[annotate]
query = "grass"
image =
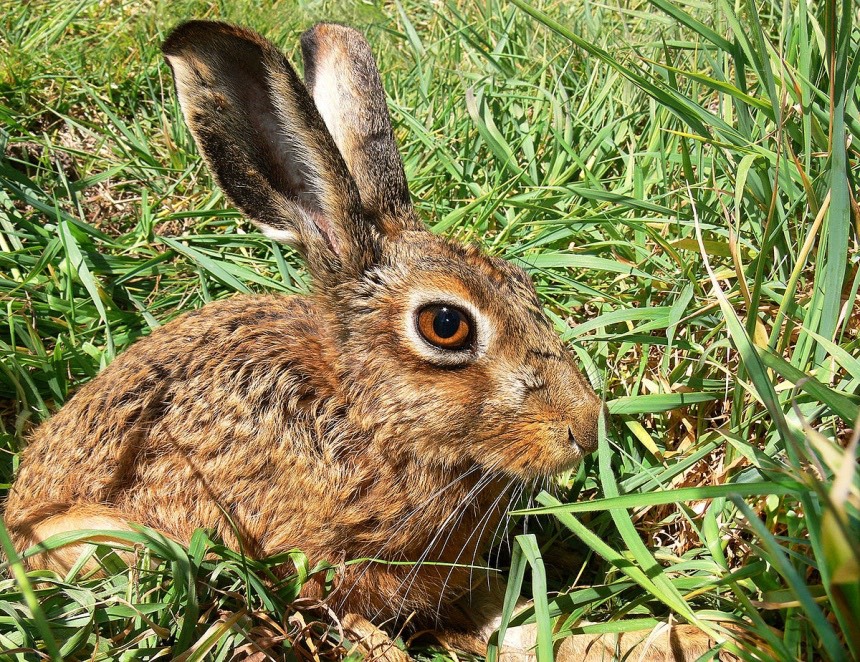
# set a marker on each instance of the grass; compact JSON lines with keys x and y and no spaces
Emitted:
{"x":680,"y":179}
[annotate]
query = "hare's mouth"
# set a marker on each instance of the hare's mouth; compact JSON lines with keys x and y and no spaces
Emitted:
{"x":533,"y":451}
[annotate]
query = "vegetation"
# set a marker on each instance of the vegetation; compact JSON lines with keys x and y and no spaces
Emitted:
{"x":680,"y":179}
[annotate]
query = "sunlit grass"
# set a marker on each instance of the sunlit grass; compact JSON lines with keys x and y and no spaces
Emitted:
{"x":679,"y":179}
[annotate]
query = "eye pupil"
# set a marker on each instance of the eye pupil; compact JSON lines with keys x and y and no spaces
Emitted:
{"x":446,"y":322}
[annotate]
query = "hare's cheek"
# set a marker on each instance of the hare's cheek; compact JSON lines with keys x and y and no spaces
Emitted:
{"x":528,"y":448}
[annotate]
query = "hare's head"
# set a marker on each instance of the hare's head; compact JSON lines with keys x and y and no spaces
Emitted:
{"x":444,"y":352}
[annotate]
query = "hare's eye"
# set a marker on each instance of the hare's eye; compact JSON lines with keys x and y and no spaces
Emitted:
{"x":445,"y":327}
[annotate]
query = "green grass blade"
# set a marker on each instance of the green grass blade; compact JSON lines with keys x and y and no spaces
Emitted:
{"x":30,"y":597}
{"x":531,"y":550}
{"x":679,"y":495}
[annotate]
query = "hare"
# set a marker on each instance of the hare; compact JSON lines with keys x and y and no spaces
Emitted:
{"x":391,"y":413}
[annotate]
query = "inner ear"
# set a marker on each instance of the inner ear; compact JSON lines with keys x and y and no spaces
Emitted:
{"x":279,"y":159}
{"x":327,"y":229}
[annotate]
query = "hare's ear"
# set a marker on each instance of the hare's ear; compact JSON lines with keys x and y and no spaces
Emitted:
{"x":268,"y":147}
{"x":343,"y":78}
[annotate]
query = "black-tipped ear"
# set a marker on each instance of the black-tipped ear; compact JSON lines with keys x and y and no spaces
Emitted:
{"x":268,"y":147}
{"x":342,"y":76}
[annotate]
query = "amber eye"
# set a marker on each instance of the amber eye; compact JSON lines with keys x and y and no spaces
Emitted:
{"x":445,"y":327}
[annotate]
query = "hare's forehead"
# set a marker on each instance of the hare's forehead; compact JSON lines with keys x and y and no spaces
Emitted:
{"x":429,"y":261}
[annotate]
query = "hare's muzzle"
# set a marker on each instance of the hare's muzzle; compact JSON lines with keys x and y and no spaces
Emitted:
{"x":582,"y":426}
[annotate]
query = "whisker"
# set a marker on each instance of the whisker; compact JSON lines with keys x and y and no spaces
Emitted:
{"x":455,"y":514}
{"x":507,"y":491}
{"x":403,"y":522}
{"x":504,"y":524}
{"x":478,"y":529}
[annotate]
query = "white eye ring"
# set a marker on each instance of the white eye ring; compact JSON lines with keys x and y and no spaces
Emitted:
{"x":446,"y":357}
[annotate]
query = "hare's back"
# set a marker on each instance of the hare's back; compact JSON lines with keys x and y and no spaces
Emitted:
{"x":215,"y":387}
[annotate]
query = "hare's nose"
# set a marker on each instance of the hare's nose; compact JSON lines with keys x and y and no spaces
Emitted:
{"x":586,"y":439}
{"x":582,"y":430}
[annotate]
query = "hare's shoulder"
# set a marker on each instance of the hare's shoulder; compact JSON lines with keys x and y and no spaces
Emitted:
{"x":226,"y":350}
{"x":247,"y":330}
{"x":233,"y":321}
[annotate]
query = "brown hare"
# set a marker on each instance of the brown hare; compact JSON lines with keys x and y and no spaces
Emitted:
{"x":391,"y":413}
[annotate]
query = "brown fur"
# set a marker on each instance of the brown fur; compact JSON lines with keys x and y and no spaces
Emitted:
{"x":319,"y":422}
